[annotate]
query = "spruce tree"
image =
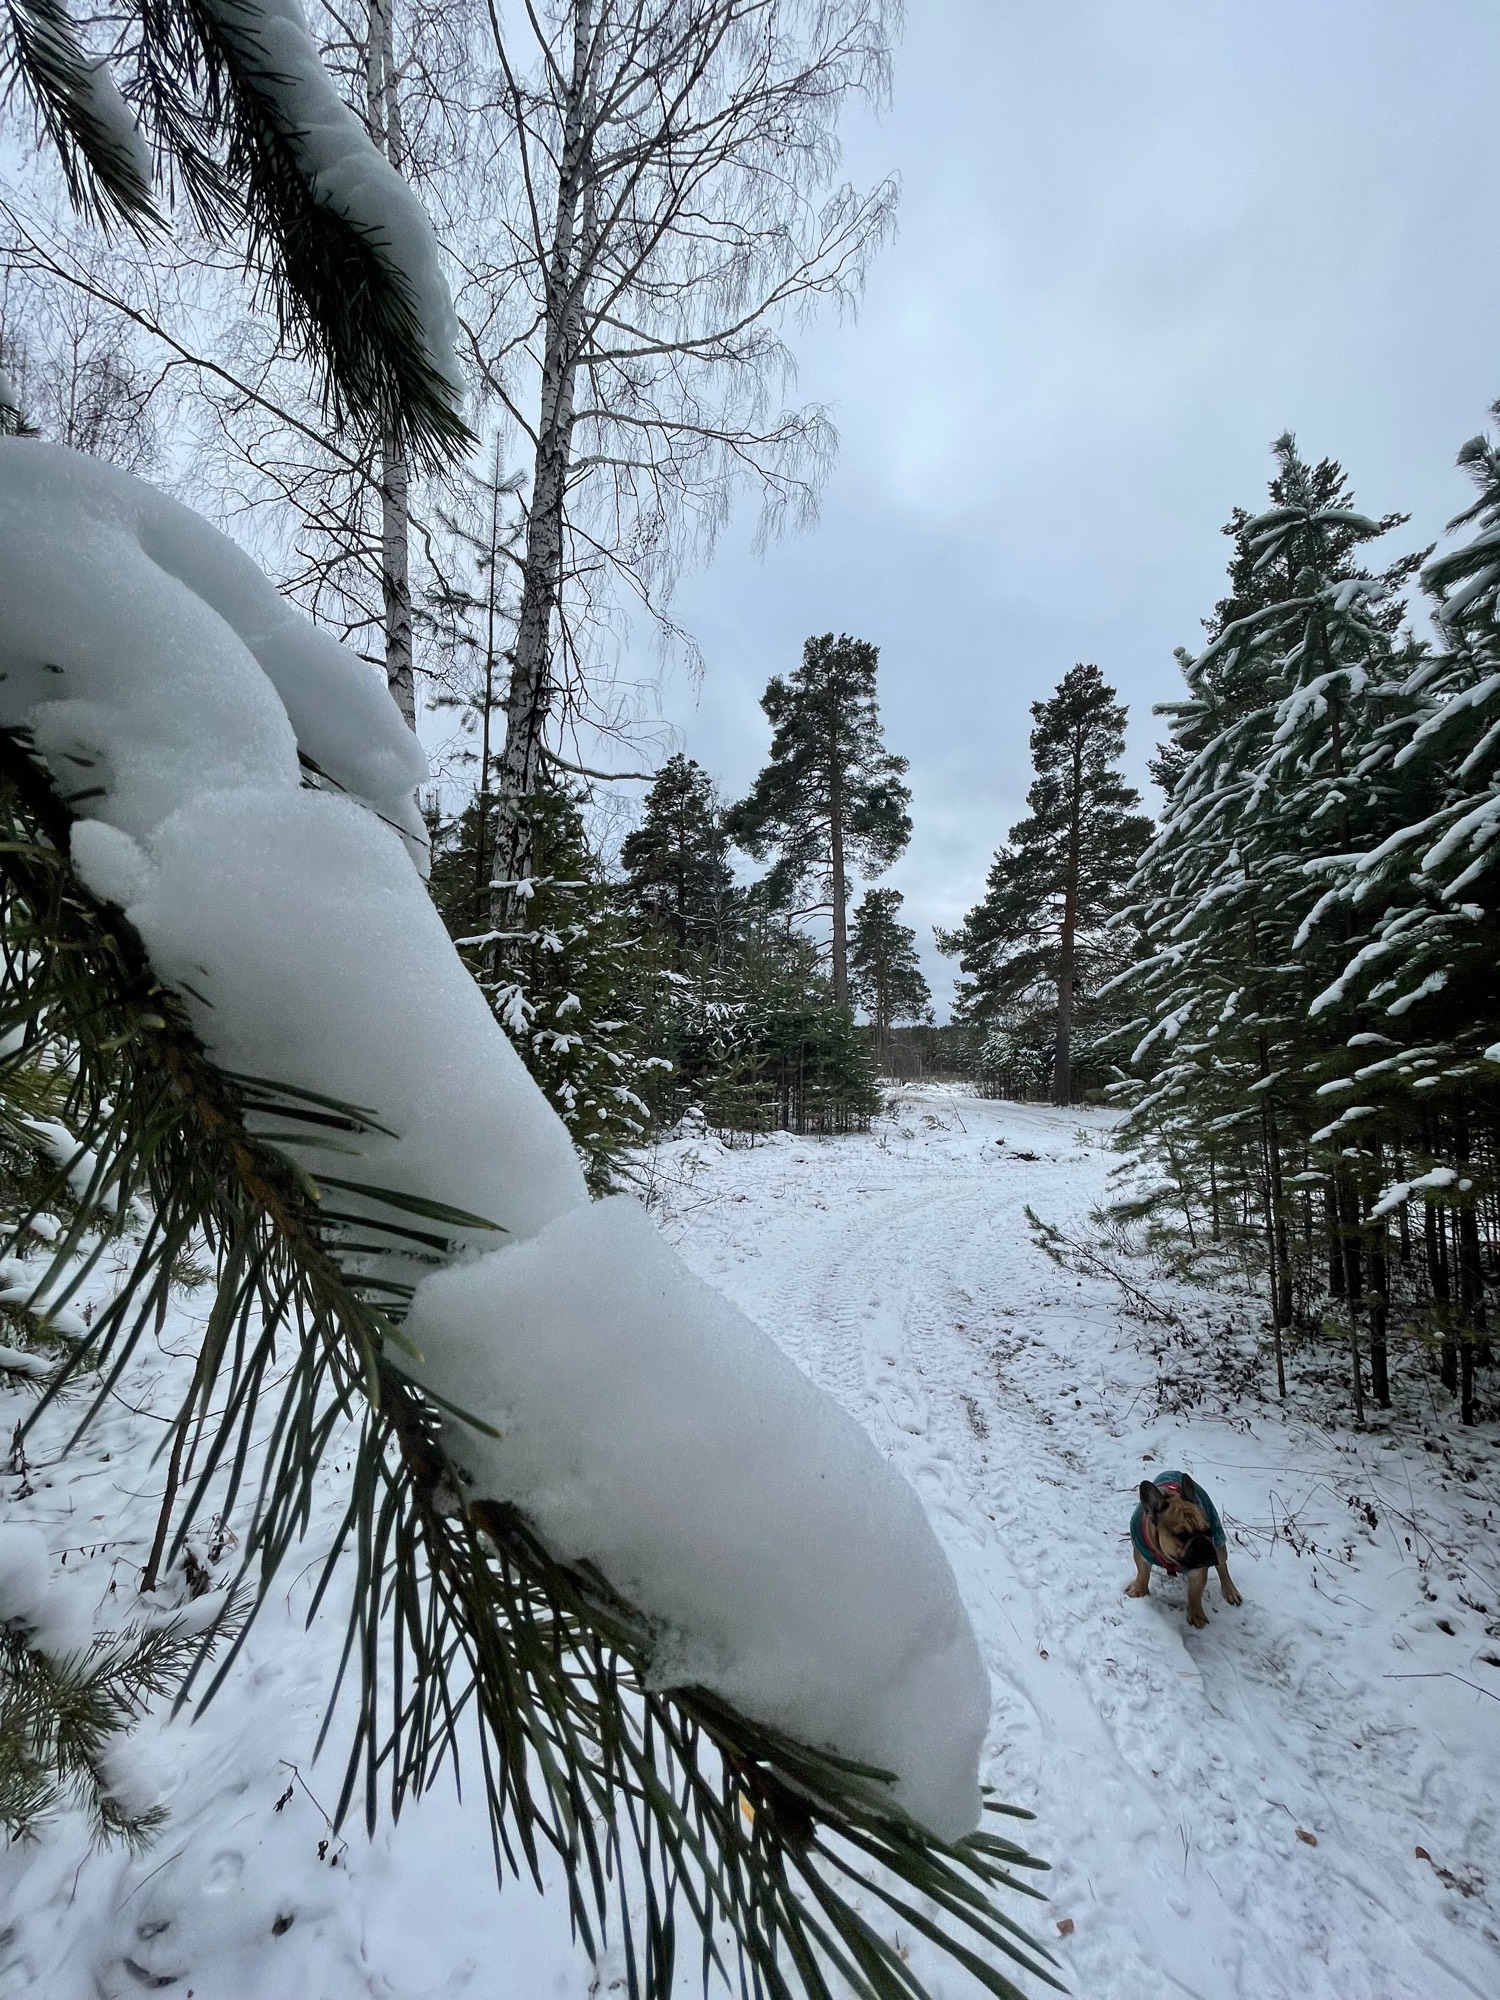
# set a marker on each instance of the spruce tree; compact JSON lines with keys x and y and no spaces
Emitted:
{"x":1041,"y":928}
{"x":886,"y":975}
{"x":676,"y":861}
{"x":1283,"y":770}
{"x":570,"y":984}
{"x":832,"y":795}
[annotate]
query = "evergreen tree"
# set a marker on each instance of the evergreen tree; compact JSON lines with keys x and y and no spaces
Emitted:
{"x":1040,"y":934}
{"x":569,"y":984}
{"x":676,"y":861}
{"x":886,"y":973}
{"x":215,"y":106}
{"x":1285,"y":768}
{"x":831,"y":796}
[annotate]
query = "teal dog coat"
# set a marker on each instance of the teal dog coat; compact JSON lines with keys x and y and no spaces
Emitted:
{"x":1171,"y":1482}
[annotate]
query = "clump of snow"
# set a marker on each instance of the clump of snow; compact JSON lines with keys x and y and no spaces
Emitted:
{"x":304,"y":923}
{"x":648,"y":1426}
{"x":112,"y":117}
{"x":343,"y":167}
{"x":113,"y":589}
{"x":52,"y":1613}
{"x":645,"y":1423}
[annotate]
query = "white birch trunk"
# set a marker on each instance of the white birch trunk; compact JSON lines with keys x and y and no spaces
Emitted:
{"x":529,"y":697}
{"x":383,"y":109}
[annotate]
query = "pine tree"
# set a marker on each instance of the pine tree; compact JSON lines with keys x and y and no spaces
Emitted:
{"x":831,"y":796}
{"x":570,"y":985}
{"x":676,"y":861}
{"x":886,"y":974}
{"x":1041,"y":929}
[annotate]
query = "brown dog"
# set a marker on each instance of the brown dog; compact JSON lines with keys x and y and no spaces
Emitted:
{"x":1176,"y":1527}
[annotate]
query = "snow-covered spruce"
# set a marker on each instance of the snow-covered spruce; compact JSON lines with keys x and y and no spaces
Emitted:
{"x":643,"y":1421}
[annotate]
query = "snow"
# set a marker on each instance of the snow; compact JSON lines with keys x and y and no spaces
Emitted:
{"x":114,"y":119}
{"x":1351,"y":1695}
{"x":52,"y":1612}
{"x":344,"y":169}
{"x":691,"y":1452}
{"x":162,"y":682}
{"x":113,"y":590}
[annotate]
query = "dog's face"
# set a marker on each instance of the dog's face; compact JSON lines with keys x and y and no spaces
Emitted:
{"x":1179,"y":1526}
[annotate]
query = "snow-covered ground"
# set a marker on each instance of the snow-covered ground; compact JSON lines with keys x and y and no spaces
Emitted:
{"x":1299,"y":1801}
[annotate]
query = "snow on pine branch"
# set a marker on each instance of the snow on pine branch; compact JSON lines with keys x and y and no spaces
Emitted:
{"x":343,"y":168}
{"x":645,"y":1424}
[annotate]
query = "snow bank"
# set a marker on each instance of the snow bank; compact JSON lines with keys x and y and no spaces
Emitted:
{"x":645,"y":1423}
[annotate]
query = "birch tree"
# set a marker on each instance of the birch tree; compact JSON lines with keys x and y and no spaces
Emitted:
{"x":670,"y":167}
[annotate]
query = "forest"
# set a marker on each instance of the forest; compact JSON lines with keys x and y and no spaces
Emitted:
{"x":392,"y":1006}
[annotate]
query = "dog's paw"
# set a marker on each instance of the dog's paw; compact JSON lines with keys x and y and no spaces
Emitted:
{"x":1231,"y":1595}
{"x":1198,"y":1617}
{"x":1134,"y":1589}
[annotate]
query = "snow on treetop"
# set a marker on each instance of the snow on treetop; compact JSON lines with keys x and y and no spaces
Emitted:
{"x":644,"y":1423}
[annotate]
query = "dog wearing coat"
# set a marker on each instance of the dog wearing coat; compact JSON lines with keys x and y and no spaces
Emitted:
{"x":1176,"y":1527}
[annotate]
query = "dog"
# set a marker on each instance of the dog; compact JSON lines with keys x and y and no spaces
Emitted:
{"x":1176,"y":1527}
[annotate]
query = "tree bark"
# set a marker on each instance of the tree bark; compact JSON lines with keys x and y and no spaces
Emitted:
{"x":1435,"y":1239}
{"x":484,"y":803}
{"x":836,"y":870}
{"x":1281,"y":1297}
{"x":529,"y":699}
{"x":383,"y":114}
{"x":1062,"y":1076}
{"x":1471,"y":1292}
{"x":1380,"y":1301}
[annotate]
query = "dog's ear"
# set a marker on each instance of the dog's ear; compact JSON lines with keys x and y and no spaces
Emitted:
{"x":1188,"y":1490}
{"x":1152,"y":1499}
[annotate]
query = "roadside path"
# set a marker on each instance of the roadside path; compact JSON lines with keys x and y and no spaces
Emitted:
{"x":1171,"y":1769}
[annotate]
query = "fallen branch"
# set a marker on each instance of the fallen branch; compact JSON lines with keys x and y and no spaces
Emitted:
{"x":1051,"y":1241}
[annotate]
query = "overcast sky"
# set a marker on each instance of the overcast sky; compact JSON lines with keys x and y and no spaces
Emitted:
{"x":1138,"y":239}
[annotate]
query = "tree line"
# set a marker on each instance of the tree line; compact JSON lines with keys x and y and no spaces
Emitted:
{"x":1289,"y":980}
{"x":667,"y":985}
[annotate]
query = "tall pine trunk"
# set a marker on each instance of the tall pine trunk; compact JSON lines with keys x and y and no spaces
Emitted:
{"x":1470,"y":1289}
{"x":484,"y":805}
{"x":1380,"y":1307}
{"x":383,"y":114}
{"x":1435,"y":1241}
{"x":837,"y":871}
{"x":1062,"y":1075}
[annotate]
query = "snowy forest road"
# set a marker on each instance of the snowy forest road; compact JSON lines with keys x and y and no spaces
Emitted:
{"x":1177,"y":1775}
{"x":1297,"y":1803}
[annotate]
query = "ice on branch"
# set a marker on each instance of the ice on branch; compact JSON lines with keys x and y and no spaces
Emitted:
{"x":644,"y":1423}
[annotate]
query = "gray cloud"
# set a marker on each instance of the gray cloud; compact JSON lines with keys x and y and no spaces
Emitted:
{"x":1137,"y":242}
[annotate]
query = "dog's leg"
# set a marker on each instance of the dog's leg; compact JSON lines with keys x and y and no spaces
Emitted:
{"x":1196,"y":1580}
{"x":1141,"y":1587}
{"x":1226,"y":1581}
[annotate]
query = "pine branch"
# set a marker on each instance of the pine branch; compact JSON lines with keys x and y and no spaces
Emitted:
{"x":669,"y":1796}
